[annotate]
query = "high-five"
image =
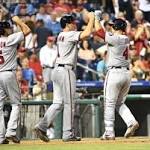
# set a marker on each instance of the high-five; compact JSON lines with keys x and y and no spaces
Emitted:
{"x":118,"y":78}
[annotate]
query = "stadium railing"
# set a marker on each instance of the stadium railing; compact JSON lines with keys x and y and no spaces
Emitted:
{"x":31,"y":114}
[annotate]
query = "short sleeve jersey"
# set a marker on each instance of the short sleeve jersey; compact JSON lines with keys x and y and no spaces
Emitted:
{"x":117,"y":50}
{"x":67,"y":47}
{"x":8,"y":51}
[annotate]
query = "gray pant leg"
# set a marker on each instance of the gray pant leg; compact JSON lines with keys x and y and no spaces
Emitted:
{"x":122,"y":108}
{"x":111,"y":92}
{"x":49,"y":116}
{"x":2,"y":123}
{"x":55,"y":108}
{"x":2,"y":98}
{"x":13,"y":92}
{"x":69,"y":106}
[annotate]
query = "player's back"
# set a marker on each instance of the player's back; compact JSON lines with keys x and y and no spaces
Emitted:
{"x":8,"y":46}
{"x":67,"y":47}
{"x":117,"y":50}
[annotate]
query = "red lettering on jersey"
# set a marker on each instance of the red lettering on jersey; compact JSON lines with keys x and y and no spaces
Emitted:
{"x":1,"y":58}
{"x":61,"y":38}
{"x":125,"y":53}
{"x":2,"y":44}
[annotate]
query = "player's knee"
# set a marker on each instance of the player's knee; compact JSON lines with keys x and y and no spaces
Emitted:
{"x":16,"y":106}
{"x":118,"y":105}
{"x":58,"y":107}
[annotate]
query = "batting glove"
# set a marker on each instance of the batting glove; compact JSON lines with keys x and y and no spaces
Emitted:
{"x":98,"y":14}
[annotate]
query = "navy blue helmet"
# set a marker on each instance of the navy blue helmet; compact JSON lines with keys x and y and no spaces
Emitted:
{"x":66,"y":19}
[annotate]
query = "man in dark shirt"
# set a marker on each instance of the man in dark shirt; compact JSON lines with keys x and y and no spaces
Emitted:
{"x":41,"y":33}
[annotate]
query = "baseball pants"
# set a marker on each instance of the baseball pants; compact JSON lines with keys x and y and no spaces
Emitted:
{"x":64,"y":85}
{"x":116,"y":87}
{"x":9,"y":89}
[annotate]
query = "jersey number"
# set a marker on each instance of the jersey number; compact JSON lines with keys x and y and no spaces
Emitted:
{"x":125,"y":53}
{"x":1,"y":58}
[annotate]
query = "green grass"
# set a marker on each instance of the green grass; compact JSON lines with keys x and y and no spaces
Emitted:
{"x":87,"y":144}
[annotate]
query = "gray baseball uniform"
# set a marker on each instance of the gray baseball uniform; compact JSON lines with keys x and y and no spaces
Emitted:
{"x":8,"y":83}
{"x":64,"y":83}
{"x":117,"y":81}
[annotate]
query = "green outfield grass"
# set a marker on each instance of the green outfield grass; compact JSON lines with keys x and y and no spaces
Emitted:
{"x":88,"y":144}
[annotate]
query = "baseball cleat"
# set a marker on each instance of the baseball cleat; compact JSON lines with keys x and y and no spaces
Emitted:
{"x":5,"y":141}
{"x":74,"y":138}
{"x":131,"y":130}
{"x":41,"y":134}
{"x":108,"y":136}
{"x":13,"y":138}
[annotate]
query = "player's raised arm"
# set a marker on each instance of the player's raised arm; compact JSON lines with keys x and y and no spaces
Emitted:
{"x":89,"y":28}
{"x":25,"y":29}
{"x":97,"y":23}
{"x":98,"y":27}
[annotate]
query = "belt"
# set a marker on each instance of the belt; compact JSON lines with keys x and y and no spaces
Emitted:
{"x":48,"y":67}
{"x":7,"y":70}
{"x":119,"y":67}
{"x":61,"y":65}
{"x":66,"y":66}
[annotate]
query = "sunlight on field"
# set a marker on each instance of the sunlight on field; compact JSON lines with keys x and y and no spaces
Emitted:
{"x":85,"y":144}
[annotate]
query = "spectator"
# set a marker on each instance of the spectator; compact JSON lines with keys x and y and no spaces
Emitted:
{"x":87,"y":55}
{"x":42,"y":15}
{"x":28,"y":75}
{"x":24,"y":8}
{"x":49,"y":8}
{"x":107,"y":26}
{"x":96,"y":42}
{"x":63,"y":6}
{"x":23,"y":84}
{"x":54,"y":25}
{"x":48,"y":55}
{"x":34,"y":63}
{"x":41,"y":34}
{"x":38,"y":89}
{"x":105,"y":17}
{"x":144,"y":6}
{"x":21,"y":55}
{"x":101,"y":65}
{"x":140,"y":32}
{"x":143,"y":65}
{"x":137,"y":72}
{"x":135,"y":5}
{"x":125,"y":7}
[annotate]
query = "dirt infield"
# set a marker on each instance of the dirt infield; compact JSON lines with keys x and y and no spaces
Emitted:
{"x":90,"y":141}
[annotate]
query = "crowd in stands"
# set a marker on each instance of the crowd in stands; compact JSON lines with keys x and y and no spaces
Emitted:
{"x":43,"y":16}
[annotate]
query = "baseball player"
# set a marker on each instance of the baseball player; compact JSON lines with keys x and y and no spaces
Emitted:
{"x":118,"y":78}
{"x":64,"y":79}
{"x":8,"y":82}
